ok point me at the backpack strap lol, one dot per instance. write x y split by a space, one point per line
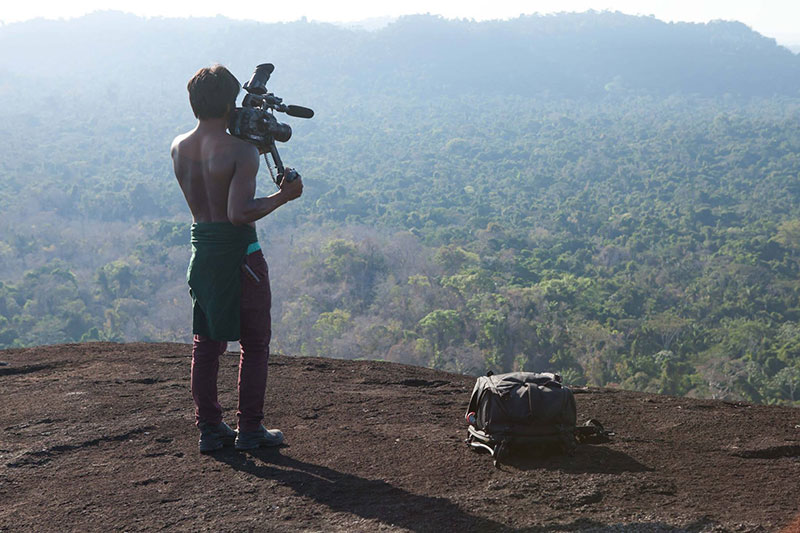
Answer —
593 432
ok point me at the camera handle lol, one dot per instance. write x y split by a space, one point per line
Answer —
289 175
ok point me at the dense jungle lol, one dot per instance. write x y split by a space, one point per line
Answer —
612 197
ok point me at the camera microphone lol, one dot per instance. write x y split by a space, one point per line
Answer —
299 111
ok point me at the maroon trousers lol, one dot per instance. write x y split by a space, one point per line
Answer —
256 331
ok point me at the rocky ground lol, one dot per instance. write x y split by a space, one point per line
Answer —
100 437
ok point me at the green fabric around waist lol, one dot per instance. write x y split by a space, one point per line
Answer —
214 276
253 247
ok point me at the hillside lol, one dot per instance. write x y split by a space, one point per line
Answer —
568 54
611 196
99 437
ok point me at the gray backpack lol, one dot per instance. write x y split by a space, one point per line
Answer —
521 410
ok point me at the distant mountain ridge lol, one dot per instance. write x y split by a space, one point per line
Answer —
570 54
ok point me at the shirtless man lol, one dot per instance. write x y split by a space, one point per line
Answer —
228 276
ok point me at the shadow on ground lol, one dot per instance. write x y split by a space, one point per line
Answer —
587 459
379 500
368 498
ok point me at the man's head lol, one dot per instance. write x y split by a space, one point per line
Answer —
212 92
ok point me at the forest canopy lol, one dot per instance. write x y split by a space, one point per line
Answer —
611 197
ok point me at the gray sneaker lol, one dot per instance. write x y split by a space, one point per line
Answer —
250 440
215 437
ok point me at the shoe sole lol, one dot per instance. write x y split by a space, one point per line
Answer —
229 441
212 449
258 445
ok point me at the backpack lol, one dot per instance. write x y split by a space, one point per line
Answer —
523 410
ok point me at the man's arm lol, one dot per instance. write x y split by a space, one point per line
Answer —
243 207
173 151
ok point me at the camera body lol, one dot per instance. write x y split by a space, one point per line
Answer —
255 121
260 127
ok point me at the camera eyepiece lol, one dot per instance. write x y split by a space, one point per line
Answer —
258 81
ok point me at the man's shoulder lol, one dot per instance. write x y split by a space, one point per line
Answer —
216 146
176 142
240 146
241 151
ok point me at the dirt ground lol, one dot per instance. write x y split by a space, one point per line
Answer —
100 437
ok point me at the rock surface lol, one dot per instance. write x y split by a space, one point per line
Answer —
99 437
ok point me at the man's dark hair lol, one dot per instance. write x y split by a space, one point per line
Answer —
212 91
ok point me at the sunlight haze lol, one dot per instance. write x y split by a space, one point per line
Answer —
607 191
773 18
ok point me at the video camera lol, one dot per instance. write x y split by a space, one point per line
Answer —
255 122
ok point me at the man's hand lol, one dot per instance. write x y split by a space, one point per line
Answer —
243 207
291 190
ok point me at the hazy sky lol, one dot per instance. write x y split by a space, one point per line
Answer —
774 18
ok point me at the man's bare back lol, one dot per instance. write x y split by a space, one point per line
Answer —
217 174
